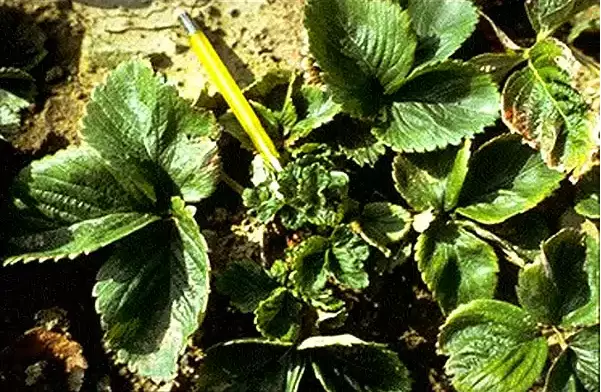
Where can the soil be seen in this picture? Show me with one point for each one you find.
(252, 36)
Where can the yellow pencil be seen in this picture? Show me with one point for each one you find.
(225, 83)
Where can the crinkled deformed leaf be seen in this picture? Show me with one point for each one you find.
(440, 105)
(71, 203)
(505, 178)
(493, 346)
(308, 190)
(360, 145)
(441, 27)
(139, 124)
(431, 180)
(457, 266)
(365, 49)
(557, 284)
(346, 256)
(547, 15)
(541, 103)
(382, 224)
(345, 363)
(577, 367)
(251, 365)
(587, 195)
(152, 300)
(246, 283)
(279, 316)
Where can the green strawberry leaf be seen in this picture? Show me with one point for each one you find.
(159, 143)
(542, 103)
(11, 107)
(246, 283)
(441, 27)
(557, 284)
(318, 109)
(365, 49)
(505, 178)
(440, 105)
(548, 15)
(344, 363)
(577, 367)
(346, 256)
(587, 195)
(586, 20)
(251, 365)
(493, 346)
(361, 146)
(152, 300)
(431, 180)
(382, 224)
(71, 203)
(279, 316)
(497, 65)
(457, 266)
(310, 272)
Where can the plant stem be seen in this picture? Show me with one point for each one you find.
(236, 187)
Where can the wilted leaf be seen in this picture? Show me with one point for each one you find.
(440, 105)
(365, 49)
(246, 283)
(382, 224)
(505, 178)
(279, 316)
(457, 266)
(344, 363)
(441, 27)
(152, 300)
(493, 346)
(541, 103)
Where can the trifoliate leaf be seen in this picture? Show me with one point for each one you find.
(541, 103)
(344, 363)
(279, 316)
(246, 283)
(457, 266)
(71, 203)
(505, 178)
(441, 105)
(497, 65)
(382, 224)
(308, 190)
(139, 124)
(588, 314)
(547, 15)
(493, 346)
(318, 109)
(152, 300)
(431, 180)
(577, 367)
(558, 282)
(365, 49)
(251, 365)
(587, 196)
(309, 265)
(441, 27)
(346, 257)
